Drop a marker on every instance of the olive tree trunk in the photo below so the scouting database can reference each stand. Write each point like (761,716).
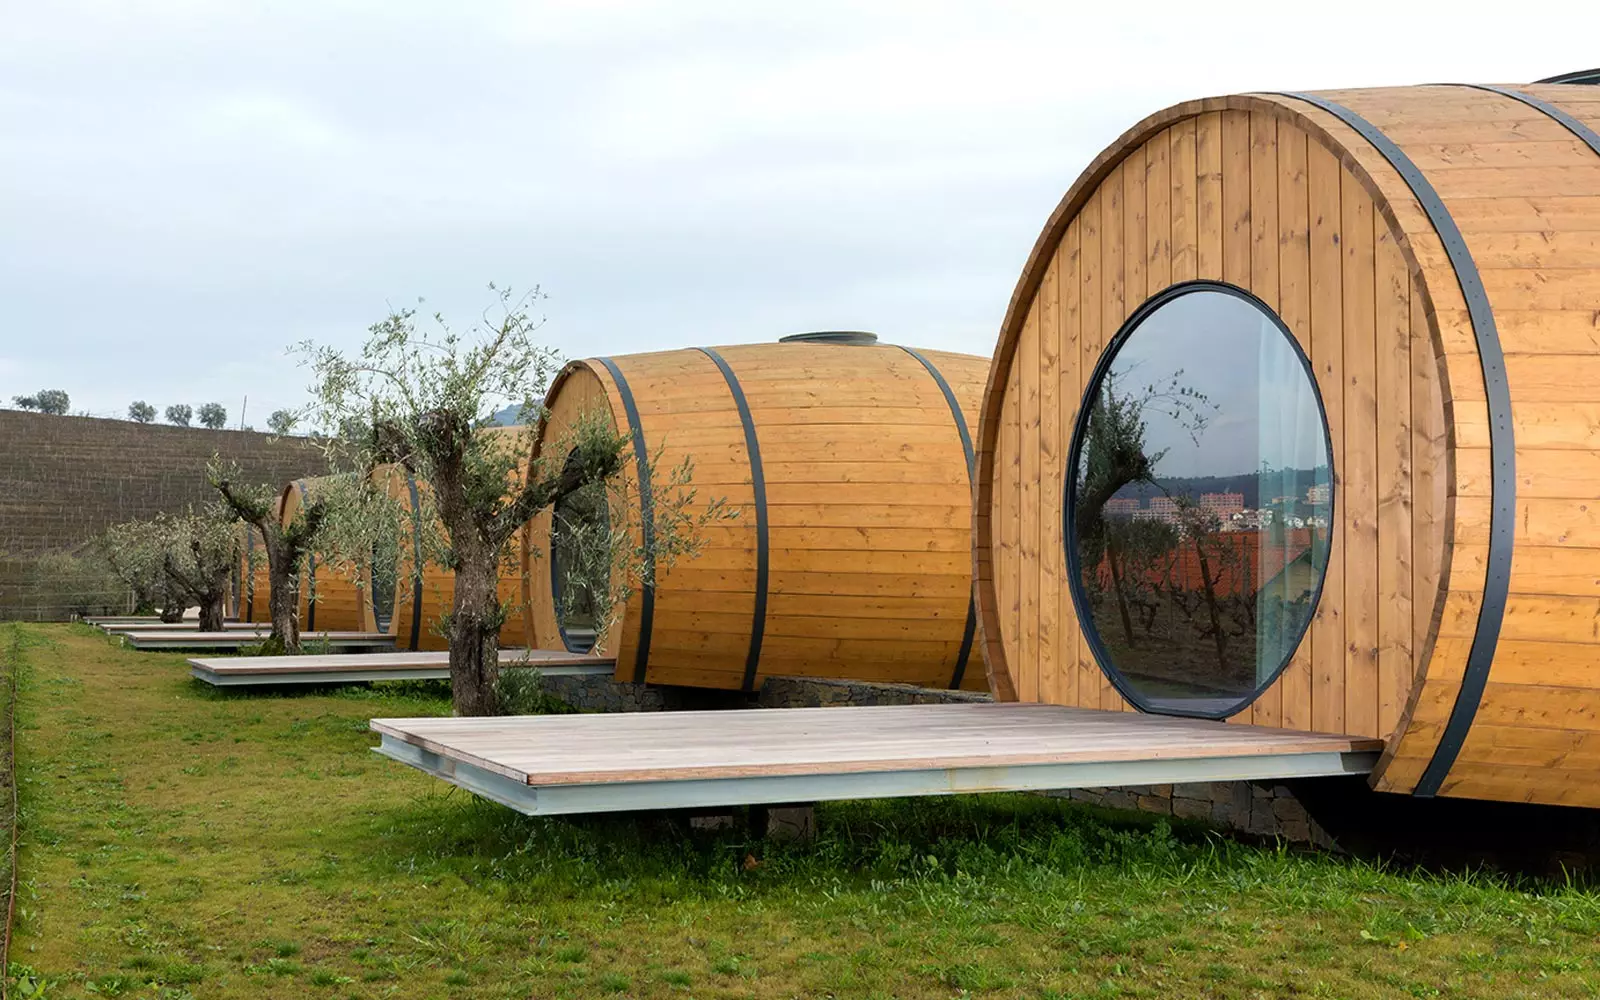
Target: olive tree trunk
(475,636)
(173,605)
(213,604)
(284,604)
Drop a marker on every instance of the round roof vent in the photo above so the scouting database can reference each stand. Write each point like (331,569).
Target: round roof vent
(854,338)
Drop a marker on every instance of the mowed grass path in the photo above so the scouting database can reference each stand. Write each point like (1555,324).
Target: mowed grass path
(178,843)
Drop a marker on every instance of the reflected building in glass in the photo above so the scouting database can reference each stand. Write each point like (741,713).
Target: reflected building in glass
(1199,502)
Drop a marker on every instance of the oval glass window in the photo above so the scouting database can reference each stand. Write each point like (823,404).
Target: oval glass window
(1199,502)
(580,563)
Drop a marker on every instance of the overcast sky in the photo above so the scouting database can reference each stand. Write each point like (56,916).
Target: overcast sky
(187,188)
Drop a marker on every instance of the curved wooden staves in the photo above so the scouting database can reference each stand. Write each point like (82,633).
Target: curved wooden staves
(849,555)
(1290,201)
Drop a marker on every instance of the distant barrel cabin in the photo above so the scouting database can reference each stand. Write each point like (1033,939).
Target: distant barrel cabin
(1295,420)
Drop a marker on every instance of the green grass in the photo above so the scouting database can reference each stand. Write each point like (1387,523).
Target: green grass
(179,842)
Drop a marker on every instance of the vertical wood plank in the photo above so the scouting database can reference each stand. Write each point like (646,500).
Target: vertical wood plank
(1393,371)
(1360,515)
(1051,555)
(1071,393)
(1113,292)
(1428,479)
(1158,212)
(1184,245)
(1028,509)
(1135,212)
(1267,710)
(1294,308)
(1007,592)
(1208,192)
(1236,197)
(1091,277)
(1327,360)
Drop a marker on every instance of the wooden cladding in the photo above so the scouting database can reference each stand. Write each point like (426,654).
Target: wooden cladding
(1289,202)
(332,597)
(847,467)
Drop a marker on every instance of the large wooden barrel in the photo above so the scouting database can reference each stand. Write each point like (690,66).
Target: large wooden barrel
(255,596)
(423,591)
(333,597)
(1243,292)
(847,464)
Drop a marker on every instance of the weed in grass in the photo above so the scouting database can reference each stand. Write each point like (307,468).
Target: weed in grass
(326,977)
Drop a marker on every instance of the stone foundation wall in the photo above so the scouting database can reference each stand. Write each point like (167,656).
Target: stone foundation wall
(1256,808)
(1260,809)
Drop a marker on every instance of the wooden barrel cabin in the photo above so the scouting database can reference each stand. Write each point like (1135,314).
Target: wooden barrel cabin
(254,594)
(409,593)
(847,462)
(332,597)
(1294,419)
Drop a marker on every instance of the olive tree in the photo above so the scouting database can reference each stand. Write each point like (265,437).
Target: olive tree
(213,415)
(133,552)
(141,412)
(337,522)
(180,414)
(199,550)
(428,395)
(281,422)
(51,401)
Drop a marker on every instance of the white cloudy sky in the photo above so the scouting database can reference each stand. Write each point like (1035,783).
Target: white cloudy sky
(187,187)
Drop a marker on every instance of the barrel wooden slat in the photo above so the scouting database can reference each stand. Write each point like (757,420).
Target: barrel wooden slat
(867,521)
(1288,201)
(333,597)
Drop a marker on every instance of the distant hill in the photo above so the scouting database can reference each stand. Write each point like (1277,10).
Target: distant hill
(506,417)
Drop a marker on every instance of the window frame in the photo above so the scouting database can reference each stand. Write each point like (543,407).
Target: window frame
(1200,708)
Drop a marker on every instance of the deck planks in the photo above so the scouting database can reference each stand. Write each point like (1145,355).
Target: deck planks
(228,671)
(182,639)
(682,746)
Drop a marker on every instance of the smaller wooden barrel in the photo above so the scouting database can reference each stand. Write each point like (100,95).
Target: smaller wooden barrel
(850,557)
(249,582)
(423,590)
(332,597)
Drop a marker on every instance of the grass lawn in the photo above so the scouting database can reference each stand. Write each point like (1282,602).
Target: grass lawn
(179,842)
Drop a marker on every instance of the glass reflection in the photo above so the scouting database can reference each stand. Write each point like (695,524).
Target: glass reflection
(1202,504)
(580,563)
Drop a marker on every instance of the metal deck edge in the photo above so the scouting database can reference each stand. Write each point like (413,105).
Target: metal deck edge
(555,800)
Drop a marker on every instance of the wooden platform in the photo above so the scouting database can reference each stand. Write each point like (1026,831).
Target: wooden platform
(131,628)
(190,639)
(239,671)
(545,765)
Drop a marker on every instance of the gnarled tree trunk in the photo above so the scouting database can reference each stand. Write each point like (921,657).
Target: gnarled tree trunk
(173,605)
(284,603)
(475,636)
(213,605)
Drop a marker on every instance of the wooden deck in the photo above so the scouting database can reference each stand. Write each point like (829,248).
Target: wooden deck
(190,639)
(242,671)
(130,628)
(543,765)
